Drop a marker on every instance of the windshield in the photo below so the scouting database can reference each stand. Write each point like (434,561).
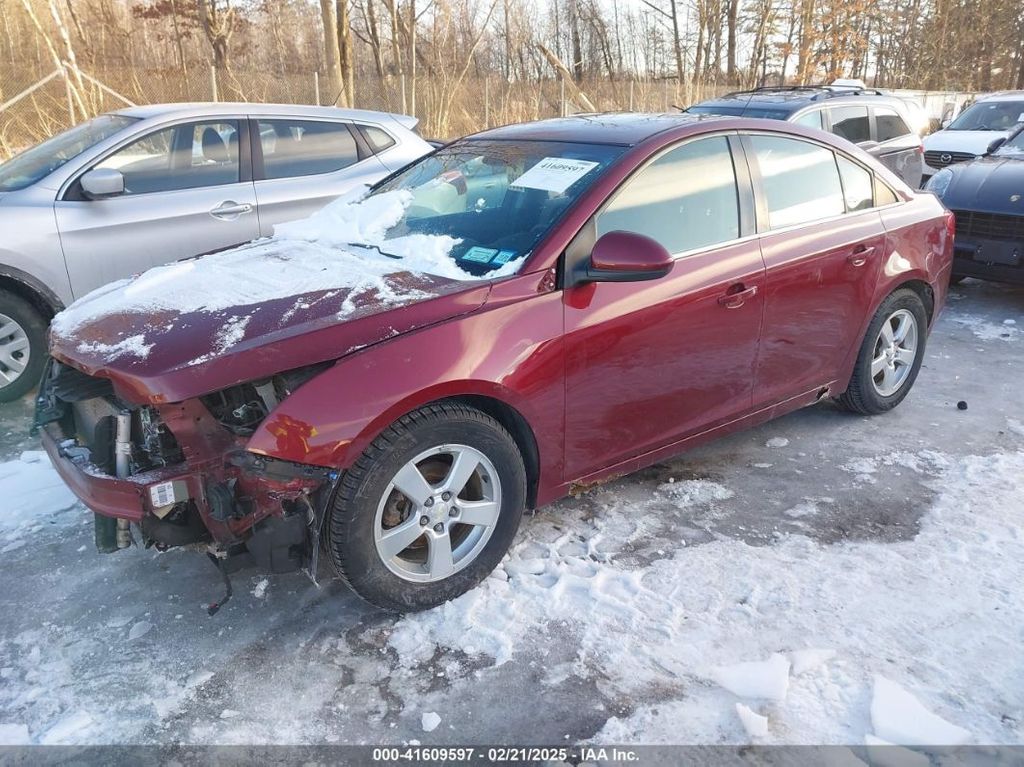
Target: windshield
(497,198)
(36,163)
(990,115)
(745,110)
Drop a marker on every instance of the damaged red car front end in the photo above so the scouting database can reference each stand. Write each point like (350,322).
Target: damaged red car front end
(159,440)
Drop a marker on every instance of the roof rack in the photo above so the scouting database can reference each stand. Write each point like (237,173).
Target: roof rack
(821,91)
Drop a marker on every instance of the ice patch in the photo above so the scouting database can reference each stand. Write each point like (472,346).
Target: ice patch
(777,442)
(68,729)
(33,493)
(429,721)
(755,724)
(898,717)
(14,735)
(755,679)
(807,660)
(139,630)
(985,330)
(260,589)
(695,492)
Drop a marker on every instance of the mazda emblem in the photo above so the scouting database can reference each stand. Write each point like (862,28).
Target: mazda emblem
(946,158)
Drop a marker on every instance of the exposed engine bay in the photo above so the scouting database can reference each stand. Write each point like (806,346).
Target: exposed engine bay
(196,484)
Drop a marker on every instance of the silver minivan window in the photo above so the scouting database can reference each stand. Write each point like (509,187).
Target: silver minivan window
(40,161)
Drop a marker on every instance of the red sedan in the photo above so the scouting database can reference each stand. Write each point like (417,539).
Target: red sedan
(527,310)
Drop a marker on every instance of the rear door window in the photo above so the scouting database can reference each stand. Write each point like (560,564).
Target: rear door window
(294,148)
(799,179)
(889,125)
(851,122)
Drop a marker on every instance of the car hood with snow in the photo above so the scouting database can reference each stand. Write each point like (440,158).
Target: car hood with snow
(307,295)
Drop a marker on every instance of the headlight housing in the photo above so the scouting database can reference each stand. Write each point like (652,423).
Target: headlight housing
(939,183)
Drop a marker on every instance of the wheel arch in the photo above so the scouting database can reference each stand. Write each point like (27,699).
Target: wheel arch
(912,282)
(27,287)
(924,292)
(517,426)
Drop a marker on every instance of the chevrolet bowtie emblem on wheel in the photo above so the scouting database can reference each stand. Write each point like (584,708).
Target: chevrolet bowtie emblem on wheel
(947,158)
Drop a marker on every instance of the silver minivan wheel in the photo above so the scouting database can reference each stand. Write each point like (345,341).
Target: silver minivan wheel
(437,513)
(895,352)
(15,350)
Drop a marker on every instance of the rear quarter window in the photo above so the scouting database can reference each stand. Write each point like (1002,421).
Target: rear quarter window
(890,125)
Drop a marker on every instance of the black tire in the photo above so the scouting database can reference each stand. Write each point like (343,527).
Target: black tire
(34,326)
(352,514)
(862,396)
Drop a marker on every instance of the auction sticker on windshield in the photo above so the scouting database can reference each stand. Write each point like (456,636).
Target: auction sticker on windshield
(554,174)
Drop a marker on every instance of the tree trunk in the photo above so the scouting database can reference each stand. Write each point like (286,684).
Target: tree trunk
(346,73)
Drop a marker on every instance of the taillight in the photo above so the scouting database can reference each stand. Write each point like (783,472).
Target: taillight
(920,149)
(950,223)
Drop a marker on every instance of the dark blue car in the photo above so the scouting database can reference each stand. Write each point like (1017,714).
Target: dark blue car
(987,197)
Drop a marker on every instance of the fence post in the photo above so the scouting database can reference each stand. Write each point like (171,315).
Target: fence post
(213,83)
(316,87)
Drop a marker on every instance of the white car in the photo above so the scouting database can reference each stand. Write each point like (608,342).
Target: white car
(137,188)
(971,134)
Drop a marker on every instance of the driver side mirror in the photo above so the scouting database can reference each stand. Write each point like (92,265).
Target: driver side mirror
(100,183)
(626,257)
(996,143)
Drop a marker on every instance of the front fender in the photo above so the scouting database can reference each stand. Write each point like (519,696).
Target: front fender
(509,351)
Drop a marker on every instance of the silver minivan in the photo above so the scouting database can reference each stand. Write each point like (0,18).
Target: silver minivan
(140,187)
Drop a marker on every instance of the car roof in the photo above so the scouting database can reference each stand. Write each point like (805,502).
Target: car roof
(616,128)
(796,97)
(209,109)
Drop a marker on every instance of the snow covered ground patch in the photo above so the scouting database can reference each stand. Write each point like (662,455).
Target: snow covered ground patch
(33,496)
(710,622)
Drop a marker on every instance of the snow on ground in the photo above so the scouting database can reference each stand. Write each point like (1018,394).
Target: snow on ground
(711,621)
(32,493)
(685,604)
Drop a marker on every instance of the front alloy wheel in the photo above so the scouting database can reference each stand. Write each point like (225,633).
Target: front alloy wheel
(437,514)
(22,346)
(428,509)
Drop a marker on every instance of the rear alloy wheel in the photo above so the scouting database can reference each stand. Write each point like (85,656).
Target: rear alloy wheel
(429,509)
(890,356)
(22,346)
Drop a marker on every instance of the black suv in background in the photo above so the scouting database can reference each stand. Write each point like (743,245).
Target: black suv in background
(878,123)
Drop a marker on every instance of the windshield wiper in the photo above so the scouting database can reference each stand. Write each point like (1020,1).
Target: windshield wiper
(367,246)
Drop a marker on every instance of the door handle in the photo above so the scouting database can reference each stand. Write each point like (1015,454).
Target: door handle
(737,296)
(230,209)
(859,257)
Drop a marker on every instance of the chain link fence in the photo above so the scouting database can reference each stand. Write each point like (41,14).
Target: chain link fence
(33,107)
(32,110)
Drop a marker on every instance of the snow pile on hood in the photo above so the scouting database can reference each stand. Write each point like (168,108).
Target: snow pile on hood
(306,256)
